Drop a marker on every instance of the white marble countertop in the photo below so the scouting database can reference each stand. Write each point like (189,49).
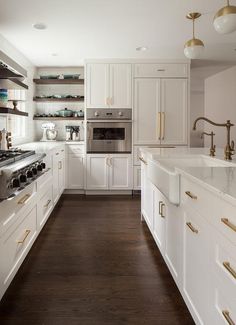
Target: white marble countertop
(221,179)
(45,147)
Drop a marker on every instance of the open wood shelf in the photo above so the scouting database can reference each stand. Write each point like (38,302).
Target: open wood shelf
(58,99)
(7,110)
(59,81)
(58,118)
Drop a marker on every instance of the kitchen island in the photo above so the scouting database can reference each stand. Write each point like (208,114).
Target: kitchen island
(189,205)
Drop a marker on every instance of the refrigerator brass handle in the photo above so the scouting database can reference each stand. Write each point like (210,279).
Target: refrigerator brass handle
(229,269)
(26,234)
(191,227)
(162,125)
(159,125)
(228,223)
(24,199)
(191,195)
(141,159)
(227,317)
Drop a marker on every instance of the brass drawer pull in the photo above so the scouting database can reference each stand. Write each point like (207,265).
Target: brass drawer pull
(59,165)
(24,199)
(144,161)
(57,153)
(161,70)
(62,150)
(160,203)
(162,206)
(227,317)
(229,269)
(229,224)
(21,241)
(191,227)
(47,204)
(191,195)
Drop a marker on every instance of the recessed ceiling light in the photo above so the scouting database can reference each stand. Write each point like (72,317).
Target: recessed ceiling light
(142,48)
(40,26)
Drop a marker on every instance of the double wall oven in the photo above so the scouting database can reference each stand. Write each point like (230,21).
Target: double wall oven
(109,130)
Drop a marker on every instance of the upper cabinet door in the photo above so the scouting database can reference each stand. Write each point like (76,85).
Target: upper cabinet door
(174,113)
(97,85)
(120,86)
(147,115)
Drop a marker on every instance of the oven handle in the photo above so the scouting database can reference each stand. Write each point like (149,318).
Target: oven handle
(109,121)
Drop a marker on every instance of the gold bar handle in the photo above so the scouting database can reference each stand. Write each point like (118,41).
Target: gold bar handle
(59,165)
(26,234)
(191,227)
(159,125)
(110,162)
(47,204)
(227,317)
(228,223)
(141,159)
(24,199)
(162,214)
(160,202)
(229,269)
(57,153)
(191,195)
(162,125)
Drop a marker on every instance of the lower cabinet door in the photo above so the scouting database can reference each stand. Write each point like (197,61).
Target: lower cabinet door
(61,175)
(97,172)
(120,172)
(137,178)
(147,197)
(14,246)
(45,207)
(75,172)
(196,273)
(56,193)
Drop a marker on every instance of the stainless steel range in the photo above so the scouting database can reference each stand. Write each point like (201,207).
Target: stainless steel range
(17,170)
(109,131)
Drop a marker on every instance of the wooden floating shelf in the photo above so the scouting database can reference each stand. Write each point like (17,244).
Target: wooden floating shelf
(58,99)
(59,81)
(7,110)
(58,118)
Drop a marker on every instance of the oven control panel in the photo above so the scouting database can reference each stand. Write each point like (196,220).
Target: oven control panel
(109,114)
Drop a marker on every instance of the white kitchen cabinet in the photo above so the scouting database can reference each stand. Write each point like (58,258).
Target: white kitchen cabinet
(160,111)
(161,70)
(109,172)
(147,196)
(147,111)
(174,113)
(159,223)
(109,85)
(45,206)
(120,172)
(97,172)
(196,272)
(137,178)
(58,173)
(75,171)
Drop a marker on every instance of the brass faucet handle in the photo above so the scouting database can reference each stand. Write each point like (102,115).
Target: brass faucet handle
(232,148)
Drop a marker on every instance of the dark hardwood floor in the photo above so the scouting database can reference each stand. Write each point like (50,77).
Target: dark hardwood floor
(94,263)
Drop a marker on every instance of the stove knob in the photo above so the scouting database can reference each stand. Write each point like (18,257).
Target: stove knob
(120,113)
(23,178)
(34,170)
(96,114)
(29,174)
(15,182)
(39,167)
(43,165)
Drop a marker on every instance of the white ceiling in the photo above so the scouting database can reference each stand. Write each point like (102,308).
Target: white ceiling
(80,29)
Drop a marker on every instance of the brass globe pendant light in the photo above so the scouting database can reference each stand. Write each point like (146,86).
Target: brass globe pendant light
(194,47)
(225,19)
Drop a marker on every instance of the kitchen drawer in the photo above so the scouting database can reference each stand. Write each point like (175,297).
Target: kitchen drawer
(15,244)
(224,304)
(220,213)
(137,177)
(59,152)
(44,180)
(45,206)
(161,70)
(75,149)
(11,208)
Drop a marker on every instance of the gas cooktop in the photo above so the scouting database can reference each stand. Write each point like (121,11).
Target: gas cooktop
(10,156)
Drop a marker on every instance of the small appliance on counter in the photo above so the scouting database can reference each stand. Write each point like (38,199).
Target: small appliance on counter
(5,140)
(49,132)
(72,133)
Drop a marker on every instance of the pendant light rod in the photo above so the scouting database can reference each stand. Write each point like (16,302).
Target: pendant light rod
(192,16)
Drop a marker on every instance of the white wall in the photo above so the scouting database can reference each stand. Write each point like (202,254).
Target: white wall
(17,56)
(220,103)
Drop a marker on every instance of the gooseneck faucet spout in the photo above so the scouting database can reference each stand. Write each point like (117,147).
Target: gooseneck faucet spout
(229,148)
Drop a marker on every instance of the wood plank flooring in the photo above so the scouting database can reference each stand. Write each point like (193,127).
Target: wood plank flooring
(94,263)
